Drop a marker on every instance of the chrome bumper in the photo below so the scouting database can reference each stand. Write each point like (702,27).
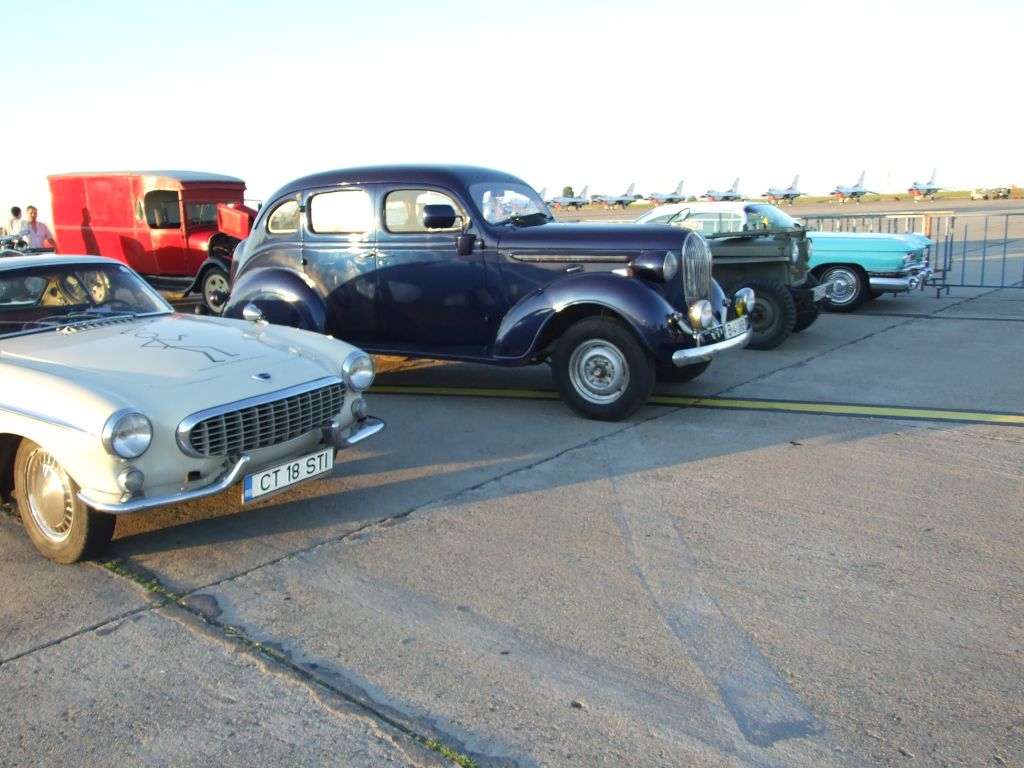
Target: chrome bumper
(333,435)
(683,357)
(901,284)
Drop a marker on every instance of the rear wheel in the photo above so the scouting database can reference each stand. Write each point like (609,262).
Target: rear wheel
(58,523)
(773,315)
(215,289)
(600,369)
(849,287)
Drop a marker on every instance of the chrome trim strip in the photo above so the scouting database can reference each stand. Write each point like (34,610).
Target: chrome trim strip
(45,419)
(571,258)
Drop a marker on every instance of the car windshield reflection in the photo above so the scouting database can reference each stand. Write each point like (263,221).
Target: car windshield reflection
(41,297)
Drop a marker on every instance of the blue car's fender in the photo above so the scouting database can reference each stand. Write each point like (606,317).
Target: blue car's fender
(284,296)
(538,319)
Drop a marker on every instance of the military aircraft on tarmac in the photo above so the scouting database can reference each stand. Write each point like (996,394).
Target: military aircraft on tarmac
(610,201)
(670,197)
(567,201)
(787,195)
(924,190)
(855,193)
(729,194)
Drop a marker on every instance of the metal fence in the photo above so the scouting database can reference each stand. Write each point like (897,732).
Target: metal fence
(970,250)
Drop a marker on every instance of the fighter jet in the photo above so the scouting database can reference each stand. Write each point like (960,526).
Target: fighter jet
(564,201)
(787,195)
(610,201)
(670,197)
(729,194)
(855,193)
(924,190)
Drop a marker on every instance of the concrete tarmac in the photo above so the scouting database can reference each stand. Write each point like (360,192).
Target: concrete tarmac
(496,581)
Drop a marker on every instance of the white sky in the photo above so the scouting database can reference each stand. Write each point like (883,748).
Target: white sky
(591,93)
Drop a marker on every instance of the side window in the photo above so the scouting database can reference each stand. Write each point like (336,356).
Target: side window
(347,210)
(403,210)
(285,218)
(710,223)
(162,211)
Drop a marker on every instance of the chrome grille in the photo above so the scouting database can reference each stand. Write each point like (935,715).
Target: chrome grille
(262,421)
(696,268)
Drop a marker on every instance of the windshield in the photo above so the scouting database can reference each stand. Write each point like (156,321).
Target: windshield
(43,296)
(765,216)
(508,203)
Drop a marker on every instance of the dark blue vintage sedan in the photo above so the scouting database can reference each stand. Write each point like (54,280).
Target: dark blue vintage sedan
(466,263)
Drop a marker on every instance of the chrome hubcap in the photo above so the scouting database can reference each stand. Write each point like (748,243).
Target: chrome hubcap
(50,496)
(844,286)
(215,284)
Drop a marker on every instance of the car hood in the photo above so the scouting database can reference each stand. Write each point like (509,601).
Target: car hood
(852,242)
(576,238)
(182,363)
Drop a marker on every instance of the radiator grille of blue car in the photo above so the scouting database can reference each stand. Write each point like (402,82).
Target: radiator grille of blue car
(696,268)
(259,422)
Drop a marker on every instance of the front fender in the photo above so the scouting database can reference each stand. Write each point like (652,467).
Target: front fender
(540,317)
(210,262)
(284,296)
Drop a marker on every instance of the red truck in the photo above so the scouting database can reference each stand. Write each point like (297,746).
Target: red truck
(169,226)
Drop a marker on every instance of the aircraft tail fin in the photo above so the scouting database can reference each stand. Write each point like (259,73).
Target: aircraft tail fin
(543,192)
(860,181)
(796,182)
(679,189)
(932,179)
(735,185)
(583,194)
(629,192)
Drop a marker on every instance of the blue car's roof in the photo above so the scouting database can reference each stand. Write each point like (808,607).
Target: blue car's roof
(445,175)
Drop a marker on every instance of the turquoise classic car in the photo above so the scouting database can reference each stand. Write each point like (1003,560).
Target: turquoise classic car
(858,266)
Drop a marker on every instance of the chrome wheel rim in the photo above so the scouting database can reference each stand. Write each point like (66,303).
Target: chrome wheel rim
(844,285)
(51,498)
(598,371)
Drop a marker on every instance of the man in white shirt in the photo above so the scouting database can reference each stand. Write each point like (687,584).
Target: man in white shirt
(37,233)
(13,227)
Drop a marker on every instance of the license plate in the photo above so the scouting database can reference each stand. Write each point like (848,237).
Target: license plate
(283,475)
(821,291)
(735,327)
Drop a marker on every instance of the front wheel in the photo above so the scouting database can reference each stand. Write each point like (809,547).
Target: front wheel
(58,523)
(215,289)
(849,287)
(773,315)
(601,371)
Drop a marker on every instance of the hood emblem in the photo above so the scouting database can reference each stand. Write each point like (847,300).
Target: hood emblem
(263,377)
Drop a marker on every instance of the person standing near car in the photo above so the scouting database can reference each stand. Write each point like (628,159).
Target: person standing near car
(13,226)
(37,233)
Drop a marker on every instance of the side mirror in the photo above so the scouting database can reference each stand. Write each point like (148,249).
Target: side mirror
(464,244)
(441,216)
(252,313)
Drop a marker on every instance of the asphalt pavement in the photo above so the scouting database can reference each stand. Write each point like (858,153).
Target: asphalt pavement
(810,556)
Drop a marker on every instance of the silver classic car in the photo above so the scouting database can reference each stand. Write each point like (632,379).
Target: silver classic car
(113,403)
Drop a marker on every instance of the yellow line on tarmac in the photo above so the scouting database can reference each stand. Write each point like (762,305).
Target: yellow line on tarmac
(782,406)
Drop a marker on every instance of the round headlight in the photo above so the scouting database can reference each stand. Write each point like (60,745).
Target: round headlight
(795,252)
(701,315)
(670,266)
(358,371)
(127,434)
(743,301)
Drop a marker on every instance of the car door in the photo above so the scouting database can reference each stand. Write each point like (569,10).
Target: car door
(338,255)
(432,300)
